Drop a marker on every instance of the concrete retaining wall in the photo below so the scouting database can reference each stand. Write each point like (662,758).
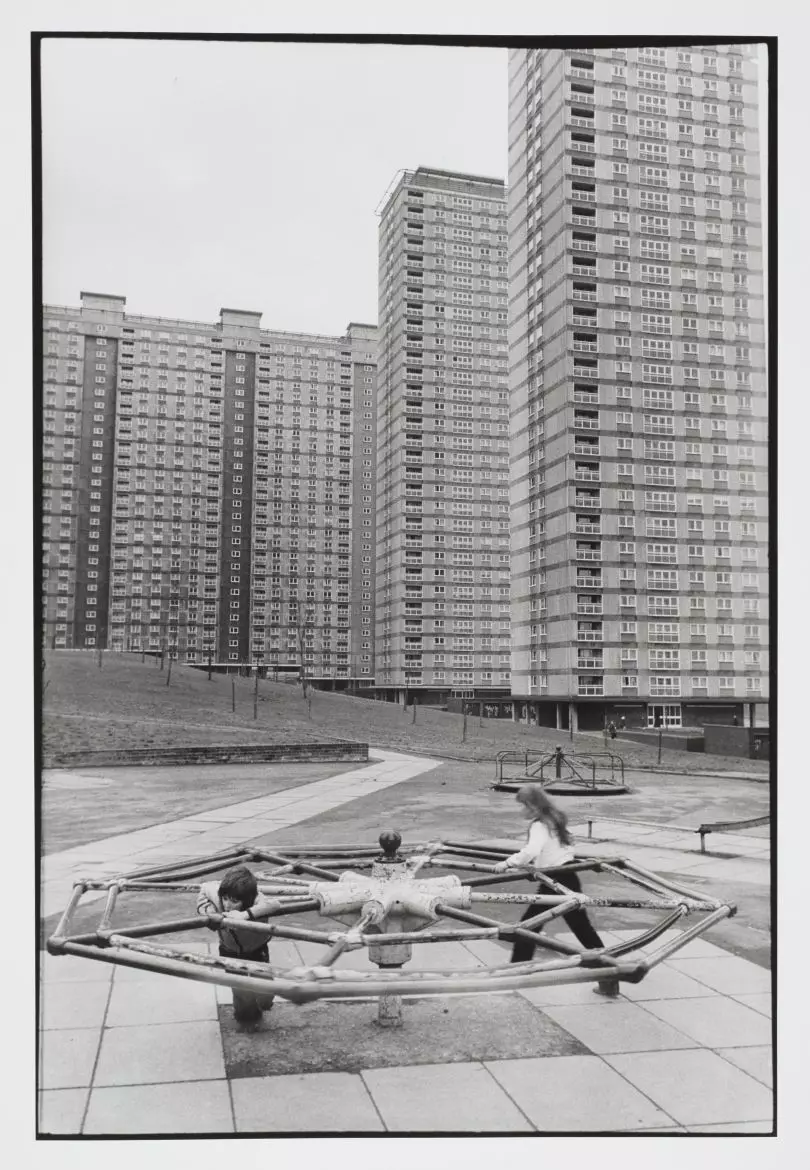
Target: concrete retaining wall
(302,753)
(744,742)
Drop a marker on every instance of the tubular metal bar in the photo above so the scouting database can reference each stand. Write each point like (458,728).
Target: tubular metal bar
(686,936)
(75,897)
(201,870)
(430,936)
(363,850)
(522,899)
(649,935)
(209,961)
(589,900)
(234,853)
(506,931)
(579,866)
(159,887)
(349,863)
(112,895)
(673,886)
(299,866)
(474,851)
(340,944)
(361,984)
(652,883)
(549,915)
(178,926)
(439,862)
(299,933)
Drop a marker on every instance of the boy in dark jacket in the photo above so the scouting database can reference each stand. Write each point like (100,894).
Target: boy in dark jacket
(236,895)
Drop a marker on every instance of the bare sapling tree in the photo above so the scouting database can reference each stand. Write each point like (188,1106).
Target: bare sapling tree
(302,618)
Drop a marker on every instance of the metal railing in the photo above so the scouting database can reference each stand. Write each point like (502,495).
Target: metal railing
(703,830)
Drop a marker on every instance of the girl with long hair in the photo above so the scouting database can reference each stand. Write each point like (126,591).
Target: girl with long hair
(548,843)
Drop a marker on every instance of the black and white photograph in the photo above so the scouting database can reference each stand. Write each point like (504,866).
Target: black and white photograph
(405,708)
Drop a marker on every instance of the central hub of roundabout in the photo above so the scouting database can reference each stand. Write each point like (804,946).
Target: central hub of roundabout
(368,907)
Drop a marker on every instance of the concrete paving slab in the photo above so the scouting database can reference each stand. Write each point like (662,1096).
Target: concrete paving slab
(752,869)
(734,1127)
(727,843)
(566,995)
(695,1086)
(60,1111)
(345,1037)
(730,975)
(664,982)
(626,1027)
(186,1107)
(450,1098)
(757,1061)
(156,1053)
(699,948)
(139,1001)
(67,1057)
(304,1103)
(577,1094)
(73,1005)
(760,1002)
(716,1022)
(443,956)
(490,953)
(70,969)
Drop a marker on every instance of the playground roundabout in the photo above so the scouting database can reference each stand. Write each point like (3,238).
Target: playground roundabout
(382,901)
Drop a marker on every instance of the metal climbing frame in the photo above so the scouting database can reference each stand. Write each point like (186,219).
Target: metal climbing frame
(543,767)
(383,904)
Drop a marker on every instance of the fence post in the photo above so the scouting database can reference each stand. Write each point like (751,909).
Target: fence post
(558,756)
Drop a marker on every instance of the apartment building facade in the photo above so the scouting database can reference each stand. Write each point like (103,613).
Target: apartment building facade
(638,386)
(208,489)
(442,588)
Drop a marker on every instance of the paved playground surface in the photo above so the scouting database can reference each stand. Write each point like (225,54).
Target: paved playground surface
(686,1050)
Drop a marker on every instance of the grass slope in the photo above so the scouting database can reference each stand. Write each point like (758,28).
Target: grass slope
(127,704)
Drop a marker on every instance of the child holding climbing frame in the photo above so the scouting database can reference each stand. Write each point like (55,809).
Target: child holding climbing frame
(548,843)
(236,896)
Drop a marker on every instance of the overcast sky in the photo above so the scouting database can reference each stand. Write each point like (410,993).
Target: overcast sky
(188,176)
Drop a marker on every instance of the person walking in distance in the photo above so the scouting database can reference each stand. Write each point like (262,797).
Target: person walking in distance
(548,843)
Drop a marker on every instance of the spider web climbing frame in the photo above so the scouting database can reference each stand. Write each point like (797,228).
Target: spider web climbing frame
(430,910)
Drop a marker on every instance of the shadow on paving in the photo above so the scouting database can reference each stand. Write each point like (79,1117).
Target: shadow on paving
(344,1037)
